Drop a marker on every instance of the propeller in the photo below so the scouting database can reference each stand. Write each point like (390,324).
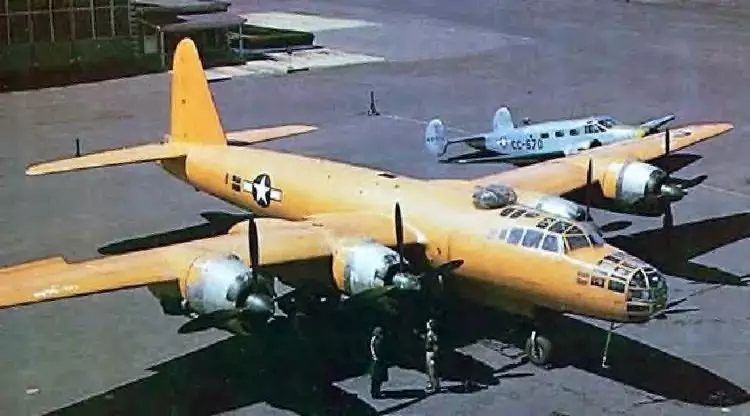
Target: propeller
(589,181)
(253,284)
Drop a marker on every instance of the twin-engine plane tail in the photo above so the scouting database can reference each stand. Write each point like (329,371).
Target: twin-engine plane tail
(194,122)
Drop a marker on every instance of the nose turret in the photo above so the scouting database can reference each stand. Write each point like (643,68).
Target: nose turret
(647,293)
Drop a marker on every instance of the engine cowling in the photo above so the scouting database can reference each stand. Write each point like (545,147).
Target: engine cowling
(364,265)
(635,184)
(214,282)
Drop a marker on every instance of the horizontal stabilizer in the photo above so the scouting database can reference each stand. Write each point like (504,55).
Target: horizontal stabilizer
(137,154)
(259,135)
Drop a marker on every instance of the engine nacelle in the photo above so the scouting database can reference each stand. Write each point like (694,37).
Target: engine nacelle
(363,265)
(214,281)
(493,196)
(637,184)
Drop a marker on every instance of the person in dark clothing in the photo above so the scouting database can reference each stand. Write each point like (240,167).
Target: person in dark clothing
(378,366)
(431,357)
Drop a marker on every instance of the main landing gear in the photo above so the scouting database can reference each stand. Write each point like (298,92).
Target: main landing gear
(538,349)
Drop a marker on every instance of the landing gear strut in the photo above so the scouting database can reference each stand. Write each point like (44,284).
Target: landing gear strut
(606,345)
(538,349)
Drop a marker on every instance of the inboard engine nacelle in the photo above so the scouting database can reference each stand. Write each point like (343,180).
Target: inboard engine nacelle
(364,265)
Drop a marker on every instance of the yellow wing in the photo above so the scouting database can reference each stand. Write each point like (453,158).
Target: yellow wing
(558,176)
(280,242)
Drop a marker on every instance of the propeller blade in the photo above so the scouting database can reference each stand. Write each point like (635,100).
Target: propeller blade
(666,142)
(589,181)
(207,321)
(449,266)
(399,237)
(252,242)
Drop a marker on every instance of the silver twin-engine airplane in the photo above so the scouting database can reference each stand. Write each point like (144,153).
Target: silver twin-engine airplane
(530,142)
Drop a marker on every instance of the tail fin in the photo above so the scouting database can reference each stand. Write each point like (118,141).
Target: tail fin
(502,119)
(194,118)
(434,138)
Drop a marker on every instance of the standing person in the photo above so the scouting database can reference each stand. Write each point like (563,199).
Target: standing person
(378,366)
(431,357)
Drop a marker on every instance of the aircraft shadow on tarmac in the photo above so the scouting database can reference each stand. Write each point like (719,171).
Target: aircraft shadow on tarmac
(282,367)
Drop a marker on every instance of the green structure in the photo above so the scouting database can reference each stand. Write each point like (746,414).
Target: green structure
(54,42)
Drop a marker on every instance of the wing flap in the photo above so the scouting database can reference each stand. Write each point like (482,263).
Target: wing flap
(559,176)
(136,154)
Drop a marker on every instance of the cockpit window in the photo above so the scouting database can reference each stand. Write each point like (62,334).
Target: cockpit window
(596,238)
(544,223)
(505,212)
(559,227)
(514,236)
(531,214)
(532,238)
(573,230)
(607,122)
(576,241)
(551,243)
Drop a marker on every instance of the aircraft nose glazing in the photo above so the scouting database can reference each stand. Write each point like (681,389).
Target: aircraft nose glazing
(647,293)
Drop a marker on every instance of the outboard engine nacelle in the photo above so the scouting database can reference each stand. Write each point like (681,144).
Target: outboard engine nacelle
(637,184)
(214,283)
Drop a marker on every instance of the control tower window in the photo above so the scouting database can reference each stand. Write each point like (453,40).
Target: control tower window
(532,238)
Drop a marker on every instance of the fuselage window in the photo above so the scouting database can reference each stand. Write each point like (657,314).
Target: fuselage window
(531,214)
(518,213)
(532,238)
(576,241)
(551,243)
(544,135)
(514,236)
(559,133)
(501,235)
(589,129)
(616,285)
(573,132)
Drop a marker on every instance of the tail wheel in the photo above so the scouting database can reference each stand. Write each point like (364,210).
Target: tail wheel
(538,349)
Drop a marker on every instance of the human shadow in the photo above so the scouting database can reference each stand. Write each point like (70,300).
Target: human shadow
(581,344)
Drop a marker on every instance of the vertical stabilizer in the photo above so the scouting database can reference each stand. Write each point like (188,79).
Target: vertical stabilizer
(193,116)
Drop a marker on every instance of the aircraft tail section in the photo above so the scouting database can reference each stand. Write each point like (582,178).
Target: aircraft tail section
(193,115)
(502,120)
(434,138)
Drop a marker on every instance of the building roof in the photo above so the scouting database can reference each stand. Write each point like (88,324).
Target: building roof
(183,6)
(204,21)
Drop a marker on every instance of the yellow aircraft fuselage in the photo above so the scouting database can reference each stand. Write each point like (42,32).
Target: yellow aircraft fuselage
(495,273)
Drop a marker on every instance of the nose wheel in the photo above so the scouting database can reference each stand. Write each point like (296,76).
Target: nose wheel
(539,349)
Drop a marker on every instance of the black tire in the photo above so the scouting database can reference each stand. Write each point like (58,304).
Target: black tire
(542,354)
(594,143)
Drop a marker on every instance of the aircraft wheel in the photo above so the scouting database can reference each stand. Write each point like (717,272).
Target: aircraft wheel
(595,143)
(538,349)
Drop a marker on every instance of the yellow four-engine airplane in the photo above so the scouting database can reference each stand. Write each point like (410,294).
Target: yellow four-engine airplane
(508,240)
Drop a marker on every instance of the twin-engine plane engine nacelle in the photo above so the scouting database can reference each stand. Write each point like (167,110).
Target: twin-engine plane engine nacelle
(636,183)
(214,283)
(362,265)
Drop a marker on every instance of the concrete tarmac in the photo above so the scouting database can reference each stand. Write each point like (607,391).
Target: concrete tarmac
(117,354)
